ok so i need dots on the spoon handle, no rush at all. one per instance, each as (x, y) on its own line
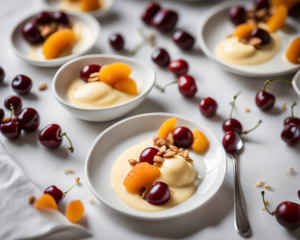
(241, 222)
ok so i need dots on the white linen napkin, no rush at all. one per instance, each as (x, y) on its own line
(20, 220)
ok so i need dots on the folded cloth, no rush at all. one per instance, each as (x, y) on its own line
(19, 219)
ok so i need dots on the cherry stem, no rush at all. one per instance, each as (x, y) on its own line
(146, 39)
(275, 79)
(12, 111)
(234, 98)
(263, 197)
(292, 108)
(162, 89)
(65, 193)
(71, 146)
(246, 132)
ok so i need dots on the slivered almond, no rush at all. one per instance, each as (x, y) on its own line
(158, 159)
(45, 30)
(173, 148)
(160, 142)
(157, 164)
(186, 153)
(168, 150)
(43, 86)
(6, 120)
(283, 106)
(180, 150)
(155, 138)
(243, 40)
(179, 154)
(133, 162)
(94, 79)
(144, 194)
(189, 160)
(169, 154)
(170, 138)
(255, 41)
(162, 150)
(141, 191)
(31, 199)
(95, 74)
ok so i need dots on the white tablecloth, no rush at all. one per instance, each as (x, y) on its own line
(265, 156)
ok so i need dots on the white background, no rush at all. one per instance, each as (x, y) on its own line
(265, 156)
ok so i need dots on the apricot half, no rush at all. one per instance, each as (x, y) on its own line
(293, 51)
(277, 20)
(46, 201)
(57, 42)
(89, 5)
(243, 30)
(167, 127)
(74, 211)
(114, 73)
(200, 143)
(126, 85)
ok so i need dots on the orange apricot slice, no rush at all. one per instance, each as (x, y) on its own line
(277, 20)
(200, 143)
(243, 30)
(126, 85)
(89, 5)
(288, 3)
(293, 51)
(167, 127)
(57, 42)
(46, 201)
(114, 73)
(74, 211)
(142, 175)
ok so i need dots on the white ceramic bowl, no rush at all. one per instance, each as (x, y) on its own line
(216, 25)
(126, 133)
(296, 82)
(107, 6)
(143, 75)
(90, 31)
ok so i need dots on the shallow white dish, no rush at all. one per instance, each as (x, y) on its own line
(296, 83)
(126, 133)
(108, 5)
(90, 32)
(143, 76)
(216, 25)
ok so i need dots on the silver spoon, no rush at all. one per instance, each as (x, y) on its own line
(235, 145)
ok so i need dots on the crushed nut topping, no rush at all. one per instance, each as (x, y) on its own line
(170, 138)
(173, 148)
(169, 154)
(255, 41)
(133, 162)
(186, 153)
(259, 183)
(31, 199)
(141, 191)
(243, 40)
(144, 194)
(158, 159)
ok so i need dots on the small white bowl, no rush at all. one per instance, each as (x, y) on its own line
(107, 6)
(90, 31)
(143, 76)
(296, 82)
(216, 25)
(119, 137)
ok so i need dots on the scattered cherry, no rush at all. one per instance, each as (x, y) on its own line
(179, 67)
(262, 34)
(295, 10)
(61, 17)
(148, 155)
(87, 70)
(261, 4)
(28, 119)
(2, 74)
(21, 84)
(51, 137)
(183, 137)
(31, 33)
(292, 119)
(230, 142)
(1, 115)
(116, 41)
(237, 15)
(16, 103)
(298, 194)
(164, 20)
(151, 9)
(183, 39)
(208, 107)
(11, 129)
(43, 18)
(158, 194)
(161, 57)
(291, 134)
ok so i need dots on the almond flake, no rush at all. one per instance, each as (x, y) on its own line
(94, 79)
(155, 138)
(259, 183)
(170, 138)
(186, 153)
(283, 106)
(263, 209)
(43, 86)
(6, 120)
(266, 201)
(31, 200)
(179, 154)
(157, 164)
(247, 109)
(158, 159)
(291, 168)
(95, 74)
(180, 150)
(160, 142)
(255, 41)
(189, 160)
(91, 200)
(267, 186)
(173, 148)
(169, 154)
(243, 40)
(133, 162)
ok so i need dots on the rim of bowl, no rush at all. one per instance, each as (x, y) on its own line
(141, 116)
(62, 59)
(100, 56)
(296, 79)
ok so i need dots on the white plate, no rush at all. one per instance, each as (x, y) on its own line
(216, 25)
(296, 83)
(108, 5)
(90, 31)
(126, 133)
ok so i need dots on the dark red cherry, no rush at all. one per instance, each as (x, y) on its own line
(265, 101)
(183, 137)
(55, 192)
(208, 107)
(31, 33)
(87, 70)
(298, 194)
(151, 9)
(179, 67)
(1, 115)
(231, 142)
(164, 20)
(291, 134)
(60, 17)
(43, 18)
(116, 41)
(15, 101)
(187, 86)
(183, 39)
(292, 119)
(28, 119)
(237, 15)
(161, 57)
(2, 74)
(21, 84)
(158, 194)
(232, 125)
(262, 34)
(51, 137)
(10, 130)
(295, 10)
(261, 4)
(148, 155)
(288, 215)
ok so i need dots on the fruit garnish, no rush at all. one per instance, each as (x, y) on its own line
(116, 41)
(2, 74)
(11, 129)
(293, 51)
(89, 5)
(243, 30)
(114, 72)
(46, 201)
(126, 85)
(74, 211)
(16, 103)
(167, 127)
(292, 118)
(237, 15)
(164, 20)
(158, 194)
(200, 143)
(1, 115)
(31, 33)
(21, 84)
(277, 20)
(208, 107)
(263, 35)
(291, 134)
(161, 57)
(148, 155)
(87, 70)
(183, 39)
(142, 175)
(183, 137)
(179, 67)
(151, 9)
(29, 119)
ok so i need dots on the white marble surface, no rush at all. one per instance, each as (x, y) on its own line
(265, 155)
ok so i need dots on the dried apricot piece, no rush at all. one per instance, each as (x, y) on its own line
(57, 42)
(89, 5)
(126, 85)
(288, 3)
(74, 211)
(293, 51)
(167, 127)
(46, 201)
(277, 20)
(243, 30)
(200, 143)
(142, 175)
(114, 73)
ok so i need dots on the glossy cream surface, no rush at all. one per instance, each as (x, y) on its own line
(176, 172)
(73, 6)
